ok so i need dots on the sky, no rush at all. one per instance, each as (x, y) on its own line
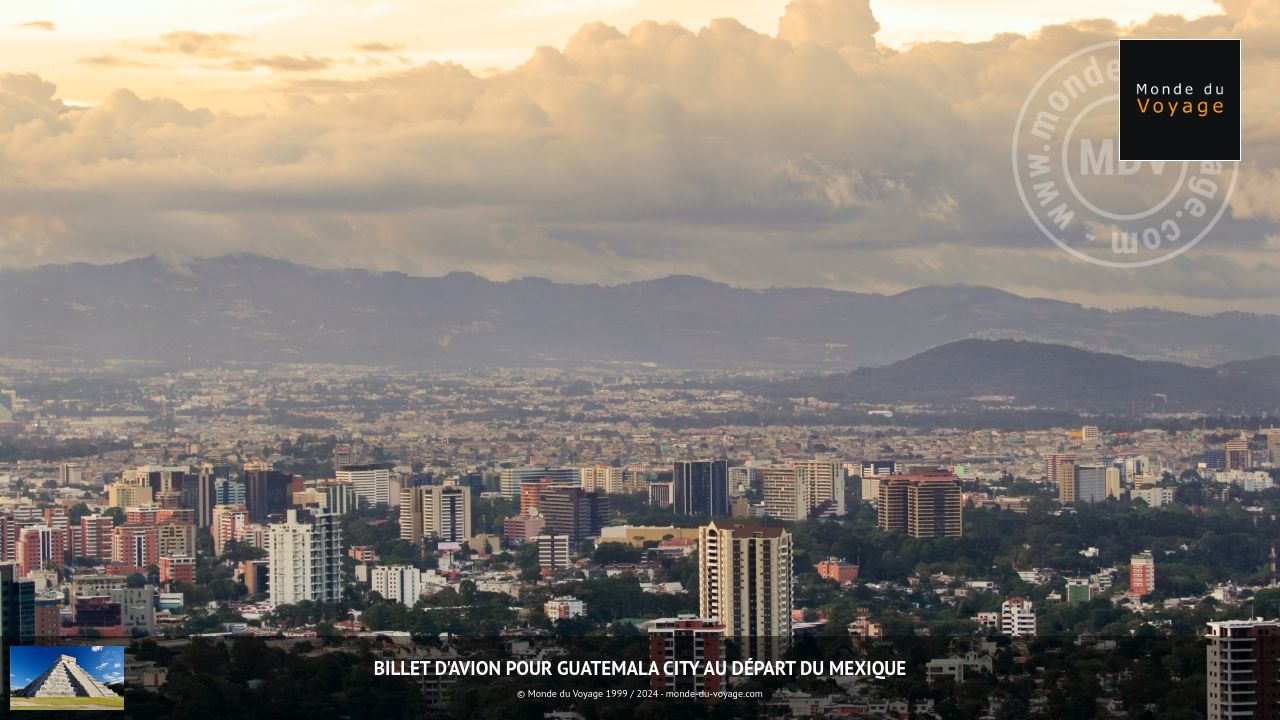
(104, 662)
(836, 143)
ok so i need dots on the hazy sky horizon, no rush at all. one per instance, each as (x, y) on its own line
(829, 143)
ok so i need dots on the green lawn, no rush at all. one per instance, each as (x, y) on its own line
(66, 703)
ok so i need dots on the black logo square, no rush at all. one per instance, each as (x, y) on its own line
(1179, 99)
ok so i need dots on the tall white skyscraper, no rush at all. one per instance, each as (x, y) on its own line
(305, 559)
(745, 578)
(601, 478)
(372, 482)
(442, 512)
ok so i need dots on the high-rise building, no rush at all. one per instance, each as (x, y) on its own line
(178, 569)
(925, 504)
(371, 481)
(510, 480)
(554, 553)
(701, 487)
(661, 494)
(206, 495)
(1090, 435)
(398, 583)
(685, 639)
(268, 491)
(601, 478)
(1018, 618)
(802, 490)
(17, 606)
(230, 522)
(305, 559)
(1142, 574)
(1242, 672)
(1060, 472)
(176, 539)
(1238, 454)
(123, 494)
(573, 512)
(95, 537)
(40, 547)
(1091, 483)
(744, 584)
(70, 474)
(135, 546)
(1273, 445)
(442, 512)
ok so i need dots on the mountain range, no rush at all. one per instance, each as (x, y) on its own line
(253, 308)
(993, 373)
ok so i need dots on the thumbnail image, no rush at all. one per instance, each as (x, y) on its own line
(72, 677)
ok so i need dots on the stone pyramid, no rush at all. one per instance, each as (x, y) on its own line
(65, 678)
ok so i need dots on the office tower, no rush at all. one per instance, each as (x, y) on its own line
(601, 478)
(39, 547)
(305, 557)
(1238, 454)
(785, 494)
(95, 537)
(522, 528)
(684, 639)
(531, 492)
(17, 606)
(869, 474)
(331, 496)
(825, 481)
(344, 454)
(744, 583)
(661, 494)
(926, 504)
(1113, 475)
(267, 491)
(398, 583)
(1090, 435)
(1018, 618)
(230, 522)
(70, 474)
(135, 546)
(123, 494)
(228, 492)
(160, 478)
(573, 512)
(554, 553)
(1060, 472)
(701, 487)
(1091, 483)
(510, 480)
(371, 482)
(1242, 672)
(1273, 445)
(802, 490)
(1142, 574)
(441, 512)
(176, 539)
(206, 495)
(742, 479)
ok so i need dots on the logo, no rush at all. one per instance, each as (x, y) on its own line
(1082, 196)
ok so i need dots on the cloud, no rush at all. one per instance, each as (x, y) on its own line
(96, 648)
(108, 60)
(44, 25)
(283, 63)
(806, 157)
(379, 47)
(199, 44)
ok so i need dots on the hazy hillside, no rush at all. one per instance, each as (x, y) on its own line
(1052, 376)
(254, 308)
